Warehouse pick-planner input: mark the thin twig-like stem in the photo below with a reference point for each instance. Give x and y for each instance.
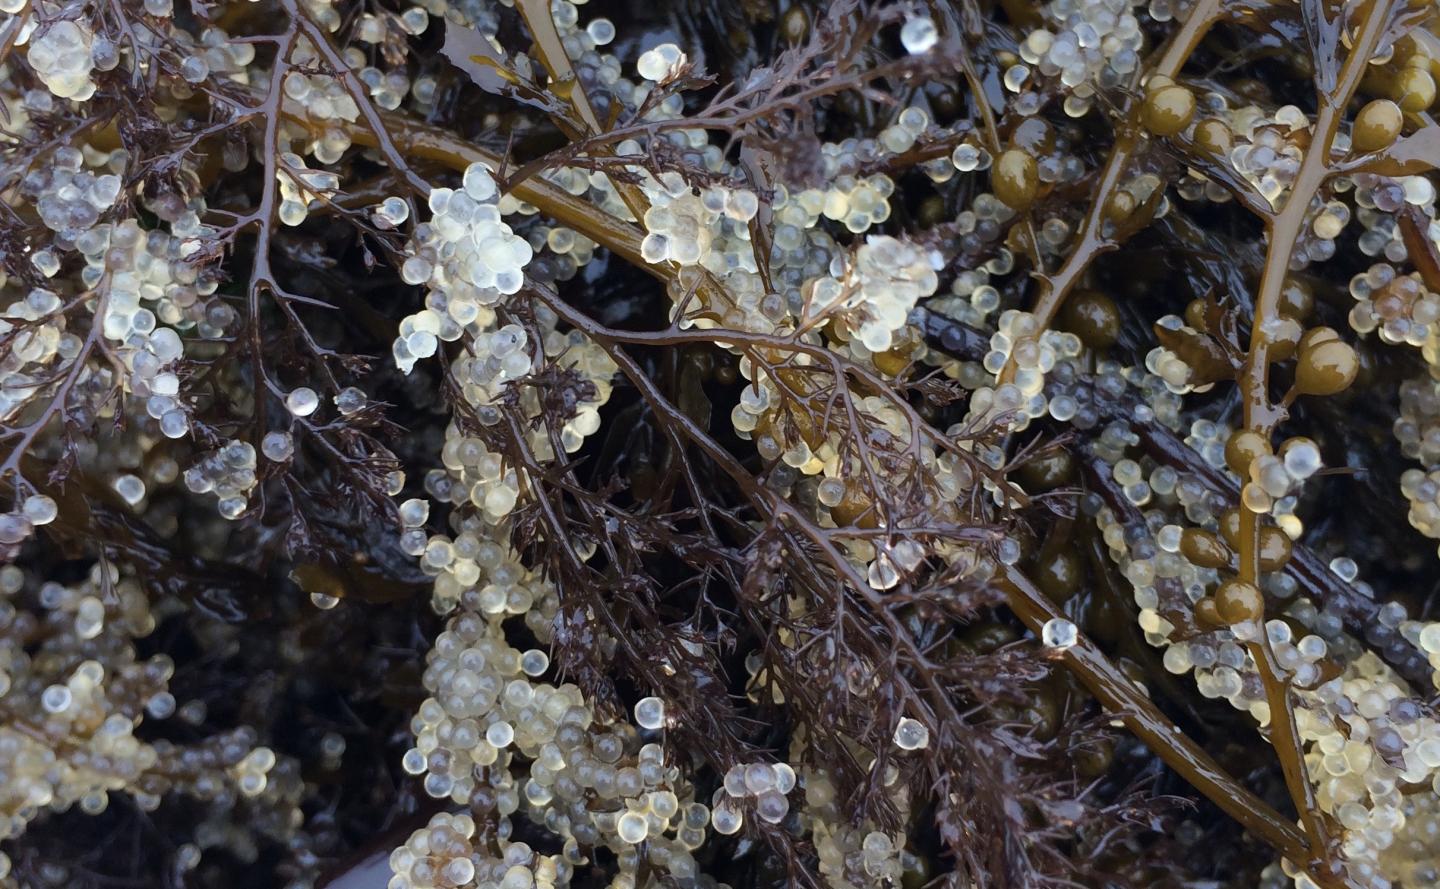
(956, 40)
(1098, 674)
(1146, 722)
(57, 404)
(417, 140)
(399, 137)
(1261, 416)
(552, 55)
(1093, 239)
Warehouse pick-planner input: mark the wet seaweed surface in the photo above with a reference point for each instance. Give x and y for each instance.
(803, 538)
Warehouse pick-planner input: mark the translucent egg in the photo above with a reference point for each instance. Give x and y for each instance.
(918, 35)
(911, 734)
(632, 827)
(302, 402)
(650, 713)
(726, 820)
(131, 488)
(1059, 633)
